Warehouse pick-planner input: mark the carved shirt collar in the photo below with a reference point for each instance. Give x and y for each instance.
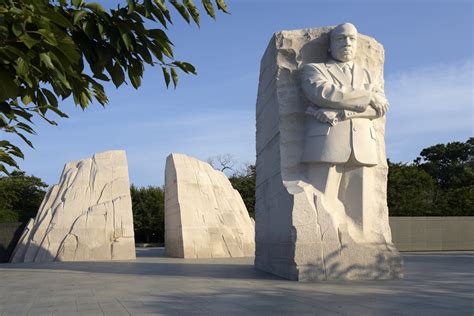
(342, 64)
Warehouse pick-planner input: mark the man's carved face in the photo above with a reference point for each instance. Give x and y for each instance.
(344, 42)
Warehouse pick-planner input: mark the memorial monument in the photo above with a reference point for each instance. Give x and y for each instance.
(321, 209)
(86, 217)
(204, 216)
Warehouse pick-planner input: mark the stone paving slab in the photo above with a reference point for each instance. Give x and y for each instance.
(434, 284)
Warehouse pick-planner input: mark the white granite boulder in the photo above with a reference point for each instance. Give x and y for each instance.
(204, 216)
(86, 217)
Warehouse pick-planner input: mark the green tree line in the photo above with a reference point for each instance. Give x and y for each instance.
(440, 182)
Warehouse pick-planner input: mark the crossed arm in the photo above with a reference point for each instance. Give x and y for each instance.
(333, 103)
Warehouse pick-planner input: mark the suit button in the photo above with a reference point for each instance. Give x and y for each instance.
(354, 129)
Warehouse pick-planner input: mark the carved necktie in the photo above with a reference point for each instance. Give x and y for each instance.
(348, 72)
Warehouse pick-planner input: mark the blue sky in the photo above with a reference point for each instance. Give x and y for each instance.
(428, 73)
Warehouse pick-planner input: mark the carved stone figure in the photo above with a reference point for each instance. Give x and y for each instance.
(87, 216)
(344, 99)
(322, 201)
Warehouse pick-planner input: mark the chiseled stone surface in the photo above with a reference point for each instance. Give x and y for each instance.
(204, 216)
(86, 217)
(321, 209)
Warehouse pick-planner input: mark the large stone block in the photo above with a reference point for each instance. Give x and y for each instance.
(86, 217)
(301, 233)
(204, 216)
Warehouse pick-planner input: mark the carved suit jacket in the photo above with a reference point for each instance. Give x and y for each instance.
(327, 87)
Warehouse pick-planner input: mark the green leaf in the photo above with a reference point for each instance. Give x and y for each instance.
(144, 52)
(51, 97)
(28, 40)
(148, 9)
(221, 5)
(3, 122)
(186, 67)
(164, 46)
(14, 150)
(118, 76)
(167, 76)
(8, 88)
(68, 50)
(23, 114)
(135, 80)
(157, 51)
(50, 121)
(131, 6)
(163, 9)
(101, 76)
(209, 8)
(124, 34)
(57, 111)
(181, 9)
(174, 76)
(159, 15)
(91, 30)
(192, 10)
(5, 158)
(77, 3)
(135, 72)
(57, 18)
(26, 140)
(78, 15)
(47, 35)
(4, 170)
(17, 28)
(99, 93)
(26, 99)
(26, 128)
(44, 57)
(157, 33)
(21, 67)
(64, 81)
(96, 7)
(16, 10)
(101, 29)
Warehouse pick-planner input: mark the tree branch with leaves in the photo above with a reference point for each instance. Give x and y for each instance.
(47, 47)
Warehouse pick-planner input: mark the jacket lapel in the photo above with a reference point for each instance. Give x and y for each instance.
(337, 73)
(358, 76)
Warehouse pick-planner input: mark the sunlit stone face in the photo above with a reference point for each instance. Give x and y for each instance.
(344, 42)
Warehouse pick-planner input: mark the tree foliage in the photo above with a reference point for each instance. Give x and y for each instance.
(244, 182)
(20, 196)
(52, 50)
(148, 214)
(440, 182)
(410, 190)
(451, 165)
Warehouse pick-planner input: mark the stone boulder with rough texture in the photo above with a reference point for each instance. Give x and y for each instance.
(86, 217)
(204, 216)
(297, 237)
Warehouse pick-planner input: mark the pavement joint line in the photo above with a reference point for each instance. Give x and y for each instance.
(123, 306)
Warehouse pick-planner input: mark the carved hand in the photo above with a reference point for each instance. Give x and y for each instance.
(325, 116)
(379, 103)
(360, 107)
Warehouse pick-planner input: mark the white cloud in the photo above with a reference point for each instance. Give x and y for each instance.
(429, 105)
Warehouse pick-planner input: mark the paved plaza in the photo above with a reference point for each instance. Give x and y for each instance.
(434, 284)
